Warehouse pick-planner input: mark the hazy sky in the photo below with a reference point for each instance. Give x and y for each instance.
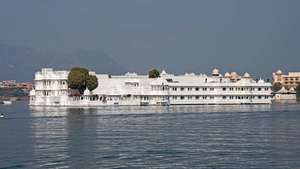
(257, 36)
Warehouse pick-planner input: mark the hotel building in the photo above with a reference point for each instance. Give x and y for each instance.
(291, 80)
(51, 89)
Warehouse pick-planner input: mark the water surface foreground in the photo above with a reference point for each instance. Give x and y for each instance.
(246, 136)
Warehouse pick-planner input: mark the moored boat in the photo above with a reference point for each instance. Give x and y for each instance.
(7, 102)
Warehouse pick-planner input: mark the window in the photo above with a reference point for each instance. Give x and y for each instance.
(224, 97)
(174, 89)
(182, 89)
(259, 89)
(182, 97)
(211, 97)
(259, 97)
(197, 88)
(204, 89)
(190, 97)
(224, 88)
(212, 89)
(189, 89)
(197, 97)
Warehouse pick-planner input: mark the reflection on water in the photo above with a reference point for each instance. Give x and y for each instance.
(40, 111)
(245, 136)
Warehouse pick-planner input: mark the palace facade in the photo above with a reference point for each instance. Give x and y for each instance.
(51, 89)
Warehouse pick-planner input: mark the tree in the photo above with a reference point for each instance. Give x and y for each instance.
(276, 86)
(92, 82)
(298, 91)
(154, 73)
(78, 79)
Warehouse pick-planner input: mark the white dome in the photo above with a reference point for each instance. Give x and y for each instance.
(261, 81)
(215, 72)
(227, 74)
(87, 92)
(279, 72)
(291, 89)
(163, 72)
(247, 75)
(282, 90)
(233, 74)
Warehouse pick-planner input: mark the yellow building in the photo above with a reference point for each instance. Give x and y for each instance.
(291, 80)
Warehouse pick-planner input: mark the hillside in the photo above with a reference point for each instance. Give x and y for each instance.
(20, 63)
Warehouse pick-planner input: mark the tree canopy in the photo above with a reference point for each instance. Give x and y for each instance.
(92, 82)
(80, 79)
(276, 86)
(298, 91)
(154, 73)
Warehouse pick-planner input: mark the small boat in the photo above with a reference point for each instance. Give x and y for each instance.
(1, 115)
(7, 102)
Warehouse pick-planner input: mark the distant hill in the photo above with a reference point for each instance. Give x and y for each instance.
(20, 63)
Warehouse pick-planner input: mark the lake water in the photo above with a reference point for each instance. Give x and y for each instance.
(212, 137)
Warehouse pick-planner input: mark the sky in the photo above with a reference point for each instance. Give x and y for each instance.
(255, 36)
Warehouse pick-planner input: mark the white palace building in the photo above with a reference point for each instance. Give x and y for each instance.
(51, 89)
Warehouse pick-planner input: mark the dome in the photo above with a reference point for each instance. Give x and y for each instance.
(215, 72)
(87, 92)
(163, 72)
(261, 81)
(247, 75)
(227, 74)
(279, 72)
(282, 90)
(291, 89)
(233, 74)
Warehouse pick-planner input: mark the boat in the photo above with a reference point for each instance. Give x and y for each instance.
(7, 102)
(1, 115)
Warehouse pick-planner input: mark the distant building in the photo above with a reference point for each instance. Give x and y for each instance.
(284, 94)
(13, 84)
(291, 80)
(24, 85)
(8, 83)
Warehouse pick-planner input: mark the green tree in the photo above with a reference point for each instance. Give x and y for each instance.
(276, 86)
(298, 91)
(154, 73)
(92, 82)
(78, 79)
